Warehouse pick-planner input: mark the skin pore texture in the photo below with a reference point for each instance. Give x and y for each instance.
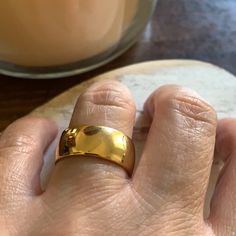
(47, 33)
(89, 196)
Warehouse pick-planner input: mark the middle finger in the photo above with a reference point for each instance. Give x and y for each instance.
(177, 158)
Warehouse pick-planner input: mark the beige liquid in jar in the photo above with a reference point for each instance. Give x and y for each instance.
(47, 32)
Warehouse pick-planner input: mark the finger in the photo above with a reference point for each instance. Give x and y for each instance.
(22, 146)
(177, 157)
(223, 205)
(107, 104)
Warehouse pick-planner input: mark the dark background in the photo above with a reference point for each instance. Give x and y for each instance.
(189, 29)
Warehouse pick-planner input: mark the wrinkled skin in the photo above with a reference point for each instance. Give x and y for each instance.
(86, 197)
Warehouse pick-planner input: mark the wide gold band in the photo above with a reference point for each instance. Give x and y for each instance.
(97, 141)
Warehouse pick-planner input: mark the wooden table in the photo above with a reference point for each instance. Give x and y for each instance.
(192, 29)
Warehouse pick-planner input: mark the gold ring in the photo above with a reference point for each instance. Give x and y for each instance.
(100, 142)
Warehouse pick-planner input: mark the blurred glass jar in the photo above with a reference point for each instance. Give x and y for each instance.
(48, 39)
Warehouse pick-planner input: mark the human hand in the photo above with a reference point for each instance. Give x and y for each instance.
(90, 196)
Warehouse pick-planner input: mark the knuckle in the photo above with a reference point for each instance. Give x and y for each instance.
(108, 95)
(187, 108)
(193, 108)
(23, 144)
(20, 138)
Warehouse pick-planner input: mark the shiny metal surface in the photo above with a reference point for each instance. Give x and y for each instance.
(99, 142)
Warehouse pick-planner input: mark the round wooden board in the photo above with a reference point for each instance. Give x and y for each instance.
(214, 84)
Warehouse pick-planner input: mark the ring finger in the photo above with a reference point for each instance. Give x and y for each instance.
(103, 104)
